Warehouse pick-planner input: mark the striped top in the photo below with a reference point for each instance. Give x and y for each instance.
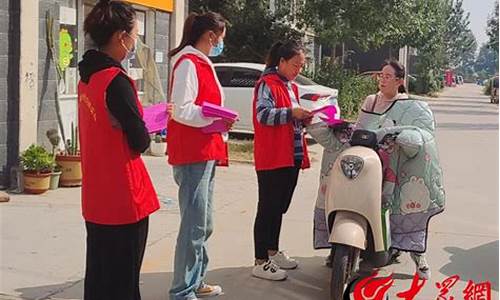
(270, 115)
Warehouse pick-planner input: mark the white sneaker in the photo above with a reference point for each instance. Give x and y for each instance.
(284, 261)
(423, 269)
(270, 271)
(206, 290)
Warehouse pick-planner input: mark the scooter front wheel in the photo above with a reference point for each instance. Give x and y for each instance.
(343, 265)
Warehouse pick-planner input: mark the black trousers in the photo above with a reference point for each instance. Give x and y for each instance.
(275, 194)
(114, 259)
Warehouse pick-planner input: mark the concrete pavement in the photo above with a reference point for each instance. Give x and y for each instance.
(43, 238)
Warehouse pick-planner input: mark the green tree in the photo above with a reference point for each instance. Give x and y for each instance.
(372, 23)
(429, 39)
(486, 62)
(467, 63)
(220, 6)
(252, 28)
(492, 29)
(368, 23)
(460, 43)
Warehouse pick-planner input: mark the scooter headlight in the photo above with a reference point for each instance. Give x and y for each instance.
(351, 166)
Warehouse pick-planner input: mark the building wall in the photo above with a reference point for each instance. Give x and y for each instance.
(47, 78)
(47, 72)
(26, 115)
(9, 87)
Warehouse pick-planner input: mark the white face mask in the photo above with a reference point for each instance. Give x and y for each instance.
(130, 52)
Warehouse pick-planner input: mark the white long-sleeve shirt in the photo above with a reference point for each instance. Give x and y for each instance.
(185, 90)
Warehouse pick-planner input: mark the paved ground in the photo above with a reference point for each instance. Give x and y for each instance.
(42, 238)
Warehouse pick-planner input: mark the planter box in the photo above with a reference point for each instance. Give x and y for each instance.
(157, 149)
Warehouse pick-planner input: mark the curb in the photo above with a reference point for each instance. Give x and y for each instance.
(241, 161)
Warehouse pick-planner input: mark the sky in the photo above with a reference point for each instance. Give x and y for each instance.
(479, 11)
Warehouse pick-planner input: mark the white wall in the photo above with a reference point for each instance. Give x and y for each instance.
(28, 74)
(177, 22)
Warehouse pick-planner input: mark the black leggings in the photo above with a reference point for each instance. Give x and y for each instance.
(275, 193)
(114, 259)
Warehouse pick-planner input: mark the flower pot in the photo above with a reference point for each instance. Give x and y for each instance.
(157, 149)
(54, 180)
(71, 168)
(36, 183)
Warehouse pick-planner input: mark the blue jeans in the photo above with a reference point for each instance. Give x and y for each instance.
(196, 185)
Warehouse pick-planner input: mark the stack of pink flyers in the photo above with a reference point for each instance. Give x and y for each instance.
(216, 111)
(328, 114)
(155, 117)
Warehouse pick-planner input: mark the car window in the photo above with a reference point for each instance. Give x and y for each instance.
(302, 80)
(224, 75)
(244, 77)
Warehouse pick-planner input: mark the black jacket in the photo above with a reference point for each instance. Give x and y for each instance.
(120, 99)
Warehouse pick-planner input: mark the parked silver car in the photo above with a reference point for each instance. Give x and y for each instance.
(238, 81)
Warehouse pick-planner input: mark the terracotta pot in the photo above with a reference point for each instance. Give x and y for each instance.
(71, 168)
(36, 183)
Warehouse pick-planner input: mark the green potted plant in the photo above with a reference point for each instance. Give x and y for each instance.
(70, 161)
(37, 165)
(53, 136)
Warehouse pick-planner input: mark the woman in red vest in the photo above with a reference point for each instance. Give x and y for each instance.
(280, 152)
(117, 193)
(193, 153)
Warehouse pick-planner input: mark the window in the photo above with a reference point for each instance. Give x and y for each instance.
(224, 75)
(244, 77)
(135, 70)
(68, 47)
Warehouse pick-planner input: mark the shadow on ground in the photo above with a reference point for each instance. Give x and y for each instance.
(478, 264)
(309, 282)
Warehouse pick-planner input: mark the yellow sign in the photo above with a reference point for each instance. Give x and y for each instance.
(166, 5)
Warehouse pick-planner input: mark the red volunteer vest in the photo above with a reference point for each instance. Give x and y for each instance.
(116, 188)
(186, 144)
(273, 145)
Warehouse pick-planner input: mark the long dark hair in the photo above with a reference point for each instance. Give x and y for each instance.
(285, 50)
(399, 72)
(196, 25)
(106, 18)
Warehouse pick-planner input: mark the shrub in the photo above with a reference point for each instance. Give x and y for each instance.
(353, 89)
(36, 159)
